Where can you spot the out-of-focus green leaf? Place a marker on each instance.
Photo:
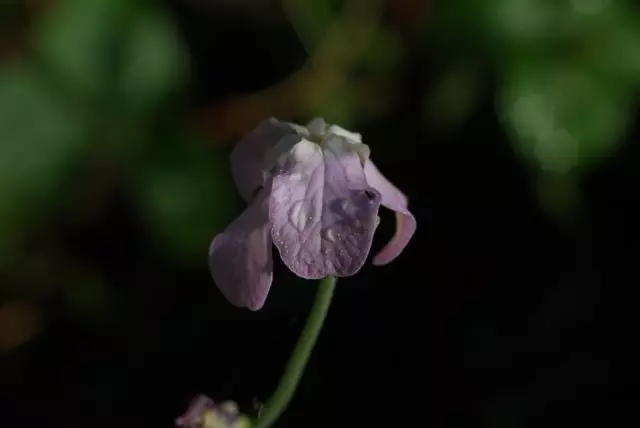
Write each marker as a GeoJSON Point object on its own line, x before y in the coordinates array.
{"type": "Point", "coordinates": [495, 27]}
{"type": "Point", "coordinates": [562, 118]}
{"type": "Point", "coordinates": [456, 26]}
{"type": "Point", "coordinates": [152, 62]}
{"type": "Point", "coordinates": [614, 49]}
{"type": "Point", "coordinates": [310, 19]}
{"type": "Point", "coordinates": [384, 54]}
{"type": "Point", "coordinates": [39, 138]}
{"type": "Point", "coordinates": [524, 19]}
{"type": "Point", "coordinates": [117, 53]}
{"type": "Point", "coordinates": [340, 107]}
{"type": "Point", "coordinates": [186, 196]}
{"type": "Point", "coordinates": [525, 24]}
{"type": "Point", "coordinates": [79, 43]}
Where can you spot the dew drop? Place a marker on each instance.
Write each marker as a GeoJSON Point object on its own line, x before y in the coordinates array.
{"type": "Point", "coordinates": [329, 235]}
{"type": "Point", "coordinates": [297, 217]}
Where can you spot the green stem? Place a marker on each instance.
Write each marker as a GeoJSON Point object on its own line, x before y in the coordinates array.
{"type": "Point", "coordinates": [298, 361]}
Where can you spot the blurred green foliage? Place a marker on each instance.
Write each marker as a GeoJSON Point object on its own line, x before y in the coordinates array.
{"type": "Point", "coordinates": [563, 118]}
{"type": "Point", "coordinates": [568, 72]}
{"type": "Point", "coordinates": [186, 196]}
{"type": "Point", "coordinates": [40, 138]}
{"type": "Point", "coordinates": [116, 54]}
{"type": "Point", "coordinates": [567, 80]}
{"type": "Point", "coordinates": [95, 87]}
{"type": "Point", "coordinates": [88, 95]}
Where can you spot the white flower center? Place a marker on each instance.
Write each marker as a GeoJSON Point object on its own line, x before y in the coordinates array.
{"type": "Point", "coordinates": [318, 129]}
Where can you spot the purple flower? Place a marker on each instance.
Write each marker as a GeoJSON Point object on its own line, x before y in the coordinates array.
{"type": "Point", "coordinates": [204, 413]}
{"type": "Point", "coordinates": [314, 193]}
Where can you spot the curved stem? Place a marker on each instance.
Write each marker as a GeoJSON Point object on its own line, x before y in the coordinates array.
{"type": "Point", "coordinates": [298, 361]}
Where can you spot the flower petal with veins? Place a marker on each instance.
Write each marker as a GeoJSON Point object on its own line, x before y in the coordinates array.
{"type": "Point", "coordinates": [240, 258]}
{"type": "Point", "coordinates": [317, 197]}
{"type": "Point", "coordinates": [322, 211]}
{"type": "Point", "coordinates": [254, 156]}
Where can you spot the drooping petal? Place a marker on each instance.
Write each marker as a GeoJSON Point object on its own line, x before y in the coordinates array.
{"type": "Point", "coordinates": [240, 257]}
{"type": "Point", "coordinates": [395, 200]}
{"type": "Point", "coordinates": [322, 211]}
{"type": "Point", "coordinates": [254, 156]}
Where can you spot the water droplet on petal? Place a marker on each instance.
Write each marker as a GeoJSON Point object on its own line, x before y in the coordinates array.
{"type": "Point", "coordinates": [296, 177]}
{"type": "Point", "coordinates": [297, 216]}
{"type": "Point", "coordinates": [329, 235]}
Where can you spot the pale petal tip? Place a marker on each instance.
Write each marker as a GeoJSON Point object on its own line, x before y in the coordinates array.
{"type": "Point", "coordinates": [406, 226]}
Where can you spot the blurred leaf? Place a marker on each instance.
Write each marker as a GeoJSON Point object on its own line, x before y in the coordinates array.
{"type": "Point", "coordinates": [152, 63]}
{"type": "Point", "coordinates": [112, 52]}
{"type": "Point", "coordinates": [456, 25]}
{"type": "Point", "coordinates": [524, 21]}
{"type": "Point", "coordinates": [39, 138]}
{"type": "Point", "coordinates": [494, 27]}
{"type": "Point", "coordinates": [79, 41]}
{"type": "Point", "coordinates": [614, 50]}
{"type": "Point", "coordinates": [562, 117]}
{"type": "Point", "coordinates": [187, 196]}
{"type": "Point", "coordinates": [384, 54]}
{"type": "Point", "coordinates": [310, 19]}
{"type": "Point", "coordinates": [340, 106]}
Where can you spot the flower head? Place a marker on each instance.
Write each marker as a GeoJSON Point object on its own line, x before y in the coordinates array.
{"type": "Point", "coordinates": [204, 413]}
{"type": "Point", "coordinates": [314, 193]}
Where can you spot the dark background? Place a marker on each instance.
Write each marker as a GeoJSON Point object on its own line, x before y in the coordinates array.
{"type": "Point", "coordinates": [512, 306]}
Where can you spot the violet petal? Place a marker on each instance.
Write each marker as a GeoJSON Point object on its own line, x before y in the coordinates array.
{"type": "Point", "coordinates": [240, 257]}
{"type": "Point", "coordinates": [395, 200]}
{"type": "Point", "coordinates": [255, 154]}
{"type": "Point", "coordinates": [322, 211]}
